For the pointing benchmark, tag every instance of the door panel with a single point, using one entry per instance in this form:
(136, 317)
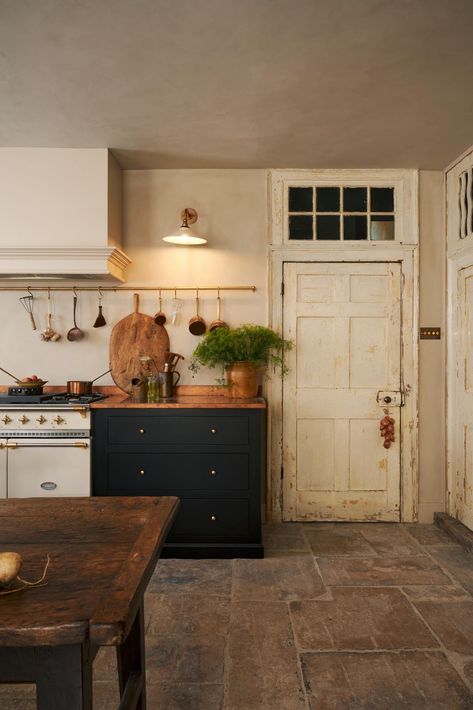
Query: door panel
(464, 399)
(345, 320)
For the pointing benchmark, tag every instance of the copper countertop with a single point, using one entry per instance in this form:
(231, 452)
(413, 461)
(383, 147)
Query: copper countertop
(123, 401)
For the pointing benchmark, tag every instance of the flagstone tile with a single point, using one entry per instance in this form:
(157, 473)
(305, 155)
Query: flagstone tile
(429, 535)
(277, 579)
(390, 540)
(452, 621)
(263, 669)
(359, 619)
(408, 680)
(338, 542)
(384, 571)
(213, 577)
(186, 639)
(457, 561)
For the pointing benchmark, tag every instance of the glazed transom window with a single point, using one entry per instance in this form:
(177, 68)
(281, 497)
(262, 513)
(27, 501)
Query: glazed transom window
(339, 213)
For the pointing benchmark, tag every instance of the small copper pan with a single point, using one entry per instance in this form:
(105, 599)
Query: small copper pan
(80, 387)
(218, 323)
(197, 325)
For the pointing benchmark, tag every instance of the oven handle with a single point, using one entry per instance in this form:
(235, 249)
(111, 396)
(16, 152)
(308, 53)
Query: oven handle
(69, 444)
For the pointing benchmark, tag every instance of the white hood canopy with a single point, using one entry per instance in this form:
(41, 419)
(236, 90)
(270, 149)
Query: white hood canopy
(60, 214)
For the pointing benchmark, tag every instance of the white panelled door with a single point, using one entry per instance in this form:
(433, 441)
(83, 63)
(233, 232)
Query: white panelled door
(345, 320)
(464, 401)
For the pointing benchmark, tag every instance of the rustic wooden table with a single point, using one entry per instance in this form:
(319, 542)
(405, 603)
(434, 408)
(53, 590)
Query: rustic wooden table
(103, 552)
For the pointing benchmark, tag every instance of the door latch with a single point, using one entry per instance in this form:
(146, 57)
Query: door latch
(390, 398)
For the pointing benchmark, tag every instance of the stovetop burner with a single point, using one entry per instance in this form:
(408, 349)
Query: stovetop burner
(52, 399)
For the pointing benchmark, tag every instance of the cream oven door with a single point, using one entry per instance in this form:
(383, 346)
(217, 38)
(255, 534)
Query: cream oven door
(3, 468)
(48, 468)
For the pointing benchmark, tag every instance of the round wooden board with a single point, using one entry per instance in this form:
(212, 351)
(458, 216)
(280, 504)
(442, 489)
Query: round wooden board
(133, 337)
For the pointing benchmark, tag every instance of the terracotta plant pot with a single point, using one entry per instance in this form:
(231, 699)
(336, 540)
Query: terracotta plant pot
(242, 380)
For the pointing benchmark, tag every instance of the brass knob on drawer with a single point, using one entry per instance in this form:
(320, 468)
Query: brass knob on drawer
(6, 419)
(142, 431)
(213, 472)
(213, 431)
(142, 472)
(213, 518)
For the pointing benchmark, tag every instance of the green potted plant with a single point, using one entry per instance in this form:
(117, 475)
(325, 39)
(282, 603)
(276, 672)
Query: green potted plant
(241, 353)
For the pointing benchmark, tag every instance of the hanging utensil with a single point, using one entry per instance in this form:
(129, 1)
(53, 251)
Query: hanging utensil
(100, 320)
(218, 323)
(48, 333)
(160, 317)
(75, 333)
(197, 325)
(176, 305)
(27, 303)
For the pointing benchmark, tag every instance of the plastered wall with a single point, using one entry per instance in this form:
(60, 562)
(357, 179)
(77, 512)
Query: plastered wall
(232, 207)
(232, 215)
(431, 352)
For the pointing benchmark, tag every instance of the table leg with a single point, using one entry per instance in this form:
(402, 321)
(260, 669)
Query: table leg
(131, 663)
(64, 677)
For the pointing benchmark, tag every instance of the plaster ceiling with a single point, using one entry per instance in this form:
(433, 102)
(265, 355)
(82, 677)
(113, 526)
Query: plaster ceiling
(241, 83)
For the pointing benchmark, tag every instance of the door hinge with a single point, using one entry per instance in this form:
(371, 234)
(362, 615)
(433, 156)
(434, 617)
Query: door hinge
(282, 288)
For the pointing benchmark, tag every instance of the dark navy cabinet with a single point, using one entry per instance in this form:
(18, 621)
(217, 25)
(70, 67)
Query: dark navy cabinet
(212, 459)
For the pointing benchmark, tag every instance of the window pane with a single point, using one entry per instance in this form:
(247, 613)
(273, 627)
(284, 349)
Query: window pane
(328, 227)
(355, 199)
(300, 227)
(354, 228)
(328, 199)
(382, 228)
(300, 199)
(382, 199)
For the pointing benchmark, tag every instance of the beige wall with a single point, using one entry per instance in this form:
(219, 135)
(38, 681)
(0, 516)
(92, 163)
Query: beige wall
(232, 215)
(232, 207)
(432, 352)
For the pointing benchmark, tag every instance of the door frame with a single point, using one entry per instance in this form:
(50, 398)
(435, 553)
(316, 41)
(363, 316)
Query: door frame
(459, 257)
(407, 256)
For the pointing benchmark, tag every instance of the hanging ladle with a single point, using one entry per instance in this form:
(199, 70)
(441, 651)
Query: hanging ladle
(218, 322)
(100, 320)
(160, 317)
(75, 333)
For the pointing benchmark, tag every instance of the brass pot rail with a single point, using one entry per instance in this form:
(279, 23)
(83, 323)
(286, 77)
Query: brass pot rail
(117, 289)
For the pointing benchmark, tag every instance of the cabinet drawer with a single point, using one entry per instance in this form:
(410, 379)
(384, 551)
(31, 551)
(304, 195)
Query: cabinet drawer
(203, 520)
(142, 472)
(178, 430)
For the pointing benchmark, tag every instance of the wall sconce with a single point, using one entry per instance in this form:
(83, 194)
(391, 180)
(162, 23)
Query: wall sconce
(184, 235)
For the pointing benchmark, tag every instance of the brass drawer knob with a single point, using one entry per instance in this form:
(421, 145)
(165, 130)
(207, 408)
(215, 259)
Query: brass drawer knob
(142, 431)
(213, 431)
(213, 472)
(213, 518)
(142, 472)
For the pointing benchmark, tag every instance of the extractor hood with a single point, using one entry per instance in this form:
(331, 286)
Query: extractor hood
(60, 214)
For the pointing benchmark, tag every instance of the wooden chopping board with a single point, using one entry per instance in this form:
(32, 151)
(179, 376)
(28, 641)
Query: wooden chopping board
(133, 337)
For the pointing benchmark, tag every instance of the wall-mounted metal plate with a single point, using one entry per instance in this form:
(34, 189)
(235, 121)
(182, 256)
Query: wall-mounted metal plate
(431, 333)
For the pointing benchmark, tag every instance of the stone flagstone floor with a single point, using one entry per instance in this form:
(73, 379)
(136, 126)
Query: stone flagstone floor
(338, 615)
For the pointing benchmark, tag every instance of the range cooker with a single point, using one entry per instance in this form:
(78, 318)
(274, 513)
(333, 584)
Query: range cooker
(45, 445)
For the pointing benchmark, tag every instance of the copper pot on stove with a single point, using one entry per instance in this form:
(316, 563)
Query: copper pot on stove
(80, 387)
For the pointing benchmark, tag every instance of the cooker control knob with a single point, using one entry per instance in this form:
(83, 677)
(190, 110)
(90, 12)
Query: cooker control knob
(41, 419)
(6, 419)
(58, 419)
(23, 419)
